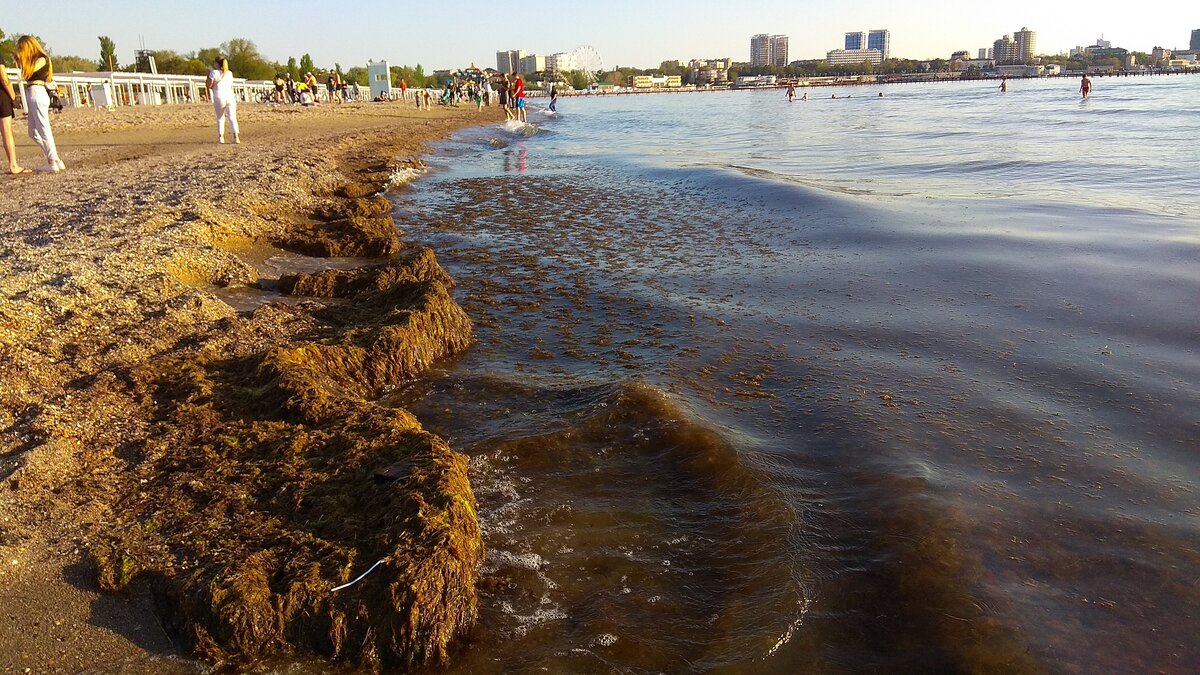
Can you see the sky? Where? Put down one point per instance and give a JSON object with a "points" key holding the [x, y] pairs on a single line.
{"points": [[639, 33]]}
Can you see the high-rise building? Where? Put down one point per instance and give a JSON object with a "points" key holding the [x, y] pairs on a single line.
{"points": [[509, 61], [768, 50], [760, 49], [779, 50], [1026, 41], [1004, 51], [984, 53], [856, 41], [533, 63], [561, 63], [880, 39], [1195, 44]]}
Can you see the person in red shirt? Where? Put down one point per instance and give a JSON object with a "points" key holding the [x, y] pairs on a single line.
{"points": [[519, 95]]}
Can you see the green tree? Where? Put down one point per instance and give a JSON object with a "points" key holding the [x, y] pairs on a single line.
{"points": [[413, 76], [579, 80], [245, 61], [293, 69], [306, 65], [173, 63], [358, 75], [74, 64], [108, 53], [208, 55]]}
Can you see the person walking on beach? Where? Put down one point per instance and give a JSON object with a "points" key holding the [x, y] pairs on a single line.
{"points": [[1085, 87], [38, 73], [220, 85], [403, 90], [7, 96]]}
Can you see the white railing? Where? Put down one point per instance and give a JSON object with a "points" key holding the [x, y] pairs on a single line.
{"points": [[76, 89]]}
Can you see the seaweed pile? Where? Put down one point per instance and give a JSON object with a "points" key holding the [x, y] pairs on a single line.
{"points": [[273, 476]]}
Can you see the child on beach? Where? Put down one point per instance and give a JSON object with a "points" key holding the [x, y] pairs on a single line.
{"points": [[7, 96], [38, 73], [220, 83]]}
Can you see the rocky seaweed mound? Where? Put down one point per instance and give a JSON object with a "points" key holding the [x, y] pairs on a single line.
{"points": [[274, 478]]}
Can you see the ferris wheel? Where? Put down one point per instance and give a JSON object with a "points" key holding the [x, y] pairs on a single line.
{"points": [[588, 60]]}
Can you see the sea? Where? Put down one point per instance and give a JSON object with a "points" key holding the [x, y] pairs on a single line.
{"points": [[905, 380]]}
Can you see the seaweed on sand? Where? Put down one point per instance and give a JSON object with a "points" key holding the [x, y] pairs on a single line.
{"points": [[262, 491]]}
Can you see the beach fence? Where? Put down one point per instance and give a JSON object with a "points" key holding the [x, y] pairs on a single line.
{"points": [[110, 90]]}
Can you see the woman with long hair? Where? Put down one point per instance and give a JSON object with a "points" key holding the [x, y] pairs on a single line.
{"points": [[220, 85], [38, 73], [7, 96]]}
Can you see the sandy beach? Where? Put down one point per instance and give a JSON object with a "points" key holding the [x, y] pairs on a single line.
{"points": [[110, 273]]}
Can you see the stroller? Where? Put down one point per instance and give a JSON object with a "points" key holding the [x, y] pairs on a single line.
{"points": [[56, 104]]}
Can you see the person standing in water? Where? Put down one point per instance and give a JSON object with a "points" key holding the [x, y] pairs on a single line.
{"points": [[791, 92], [505, 98], [220, 85], [553, 98], [1003, 85], [38, 73], [519, 97], [1085, 87]]}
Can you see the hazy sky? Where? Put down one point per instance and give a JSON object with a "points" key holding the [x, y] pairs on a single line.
{"points": [[638, 33]]}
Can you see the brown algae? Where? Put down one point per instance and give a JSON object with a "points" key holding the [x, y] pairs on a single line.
{"points": [[274, 477]]}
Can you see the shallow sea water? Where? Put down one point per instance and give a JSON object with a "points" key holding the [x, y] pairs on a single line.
{"points": [[904, 384]]}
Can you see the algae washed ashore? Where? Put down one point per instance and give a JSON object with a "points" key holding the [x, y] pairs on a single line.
{"points": [[215, 470]]}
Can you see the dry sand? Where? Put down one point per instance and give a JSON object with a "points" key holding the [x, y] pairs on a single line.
{"points": [[107, 267]]}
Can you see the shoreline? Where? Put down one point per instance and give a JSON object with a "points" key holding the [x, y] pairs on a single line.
{"points": [[113, 263], [846, 83]]}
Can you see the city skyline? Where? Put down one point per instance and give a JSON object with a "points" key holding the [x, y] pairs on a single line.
{"points": [[360, 31]]}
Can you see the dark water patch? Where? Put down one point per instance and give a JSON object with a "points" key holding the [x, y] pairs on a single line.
{"points": [[621, 534]]}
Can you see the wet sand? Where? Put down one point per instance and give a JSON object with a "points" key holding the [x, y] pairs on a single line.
{"points": [[110, 267]]}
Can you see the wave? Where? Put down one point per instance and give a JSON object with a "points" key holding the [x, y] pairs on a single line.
{"points": [[623, 521]]}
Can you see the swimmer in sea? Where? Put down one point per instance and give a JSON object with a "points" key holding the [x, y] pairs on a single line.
{"points": [[804, 97]]}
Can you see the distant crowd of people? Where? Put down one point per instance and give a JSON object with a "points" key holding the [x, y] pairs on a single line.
{"points": [[307, 92], [508, 92]]}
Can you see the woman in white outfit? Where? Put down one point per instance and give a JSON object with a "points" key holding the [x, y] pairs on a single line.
{"points": [[38, 73], [220, 85]]}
